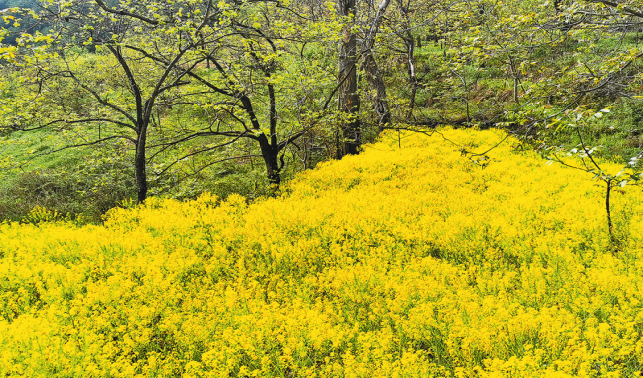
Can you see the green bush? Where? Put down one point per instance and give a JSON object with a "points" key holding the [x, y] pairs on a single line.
{"points": [[85, 194]]}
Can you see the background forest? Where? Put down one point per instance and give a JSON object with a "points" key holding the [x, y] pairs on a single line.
{"points": [[107, 101]]}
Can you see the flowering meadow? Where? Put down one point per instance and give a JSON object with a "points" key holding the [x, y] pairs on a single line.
{"points": [[409, 260]]}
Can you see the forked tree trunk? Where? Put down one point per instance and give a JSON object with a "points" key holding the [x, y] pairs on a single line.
{"points": [[373, 74]]}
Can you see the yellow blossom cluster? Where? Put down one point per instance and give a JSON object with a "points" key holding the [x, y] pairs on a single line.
{"points": [[409, 260]]}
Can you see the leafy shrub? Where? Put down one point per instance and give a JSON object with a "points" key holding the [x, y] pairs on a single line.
{"points": [[637, 114], [88, 192]]}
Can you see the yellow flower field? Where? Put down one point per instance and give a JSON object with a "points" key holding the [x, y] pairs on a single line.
{"points": [[399, 262]]}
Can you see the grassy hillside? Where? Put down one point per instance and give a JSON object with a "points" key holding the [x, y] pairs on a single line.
{"points": [[409, 260]]}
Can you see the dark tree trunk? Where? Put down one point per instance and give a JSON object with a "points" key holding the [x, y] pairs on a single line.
{"points": [[140, 165], [272, 168], [376, 82], [348, 97], [142, 120], [270, 155]]}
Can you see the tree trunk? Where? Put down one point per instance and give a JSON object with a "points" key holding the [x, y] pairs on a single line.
{"points": [[409, 41], [373, 75], [140, 163], [348, 97], [274, 176], [375, 81], [516, 79], [410, 45], [270, 155]]}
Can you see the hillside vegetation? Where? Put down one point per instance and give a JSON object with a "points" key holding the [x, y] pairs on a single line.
{"points": [[102, 102], [409, 260]]}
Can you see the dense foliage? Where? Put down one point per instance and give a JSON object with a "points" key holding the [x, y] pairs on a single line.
{"points": [[406, 261], [212, 95]]}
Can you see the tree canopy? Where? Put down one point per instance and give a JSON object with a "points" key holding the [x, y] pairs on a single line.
{"points": [[182, 86]]}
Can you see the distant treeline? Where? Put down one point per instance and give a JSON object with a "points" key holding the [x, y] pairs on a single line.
{"points": [[4, 4]]}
